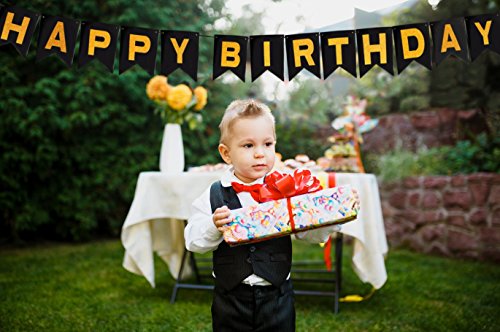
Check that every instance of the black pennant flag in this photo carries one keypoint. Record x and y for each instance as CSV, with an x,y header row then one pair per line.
x,y
138,46
302,51
17,26
375,48
482,30
179,50
412,42
267,53
58,37
450,38
230,53
98,41
338,49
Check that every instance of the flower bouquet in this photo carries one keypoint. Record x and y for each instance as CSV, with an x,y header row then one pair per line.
x,y
177,104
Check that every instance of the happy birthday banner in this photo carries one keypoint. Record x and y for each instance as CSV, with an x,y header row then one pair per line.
x,y
355,51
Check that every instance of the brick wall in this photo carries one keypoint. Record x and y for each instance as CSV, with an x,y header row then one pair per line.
x,y
456,216
423,129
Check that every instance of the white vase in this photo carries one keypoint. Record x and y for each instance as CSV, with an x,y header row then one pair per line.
x,y
172,149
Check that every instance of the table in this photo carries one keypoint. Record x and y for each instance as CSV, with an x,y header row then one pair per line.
x,y
162,201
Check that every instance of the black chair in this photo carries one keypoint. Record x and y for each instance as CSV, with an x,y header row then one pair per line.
x,y
302,273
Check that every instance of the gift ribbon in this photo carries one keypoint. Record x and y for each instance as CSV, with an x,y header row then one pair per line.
x,y
290,213
327,249
277,186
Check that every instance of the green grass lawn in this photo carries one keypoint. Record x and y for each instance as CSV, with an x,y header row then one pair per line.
x,y
84,288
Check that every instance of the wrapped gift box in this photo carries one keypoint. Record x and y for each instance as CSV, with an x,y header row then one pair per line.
x,y
272,219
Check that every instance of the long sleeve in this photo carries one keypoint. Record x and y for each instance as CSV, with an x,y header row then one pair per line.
x,y
319,235
200,233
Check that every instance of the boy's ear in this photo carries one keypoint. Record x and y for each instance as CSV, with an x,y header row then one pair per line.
x,y
224,153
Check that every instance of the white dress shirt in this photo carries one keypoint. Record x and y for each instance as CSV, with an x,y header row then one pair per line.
x,y
202,236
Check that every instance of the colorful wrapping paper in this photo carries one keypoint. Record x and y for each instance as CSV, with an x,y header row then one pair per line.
x,y
273,219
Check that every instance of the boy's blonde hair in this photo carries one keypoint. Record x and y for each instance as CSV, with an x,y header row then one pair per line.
x,y
239,109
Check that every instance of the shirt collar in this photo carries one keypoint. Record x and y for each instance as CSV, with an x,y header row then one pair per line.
x,y
228,177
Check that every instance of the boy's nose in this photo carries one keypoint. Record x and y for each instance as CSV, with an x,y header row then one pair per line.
x,y
258,153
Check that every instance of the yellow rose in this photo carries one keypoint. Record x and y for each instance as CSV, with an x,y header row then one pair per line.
x,y
179,96
157,88
201,97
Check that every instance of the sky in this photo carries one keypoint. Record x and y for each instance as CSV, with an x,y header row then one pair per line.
x,y
294,16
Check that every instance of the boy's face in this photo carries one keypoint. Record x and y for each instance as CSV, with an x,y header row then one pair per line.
x,y
250,148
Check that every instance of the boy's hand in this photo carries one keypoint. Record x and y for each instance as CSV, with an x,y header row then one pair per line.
x,y
356,204
221,218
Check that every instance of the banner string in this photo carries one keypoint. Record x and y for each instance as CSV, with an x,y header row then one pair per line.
x,y
351,50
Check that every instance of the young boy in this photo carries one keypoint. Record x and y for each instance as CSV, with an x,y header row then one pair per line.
x,y
253,290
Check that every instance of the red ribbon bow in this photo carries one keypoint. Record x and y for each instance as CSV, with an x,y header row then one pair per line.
x,y
277,186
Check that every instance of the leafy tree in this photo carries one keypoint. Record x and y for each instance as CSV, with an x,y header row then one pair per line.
x,y
73,140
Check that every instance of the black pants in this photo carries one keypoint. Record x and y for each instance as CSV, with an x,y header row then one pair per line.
x,y
254,308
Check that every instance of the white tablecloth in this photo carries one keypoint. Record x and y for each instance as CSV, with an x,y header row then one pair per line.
x,y
163,200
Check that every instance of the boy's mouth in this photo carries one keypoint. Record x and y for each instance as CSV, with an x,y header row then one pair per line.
x,y
259,166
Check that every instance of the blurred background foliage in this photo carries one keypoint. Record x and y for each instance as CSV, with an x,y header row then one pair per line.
x,y
73,141
481,154
453,83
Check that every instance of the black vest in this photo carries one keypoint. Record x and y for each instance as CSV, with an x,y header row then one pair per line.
x,y
271,259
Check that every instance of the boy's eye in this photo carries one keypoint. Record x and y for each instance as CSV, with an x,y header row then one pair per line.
x,y
248,145
268,144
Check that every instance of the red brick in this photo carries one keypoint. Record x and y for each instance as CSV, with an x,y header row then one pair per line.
x,y
414,199
428,217
467,114
393,230
438,249
425,120
495,217
435,182
412,216
456,220
398,199
459,241
412,182
490,236
387,210
494,195
479,191
457,198
478,217
407,221
458,180
416,244
434,232
446,115
430,200
481,177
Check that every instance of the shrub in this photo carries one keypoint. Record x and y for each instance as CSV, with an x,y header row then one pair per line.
x,y
479,155
73,141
